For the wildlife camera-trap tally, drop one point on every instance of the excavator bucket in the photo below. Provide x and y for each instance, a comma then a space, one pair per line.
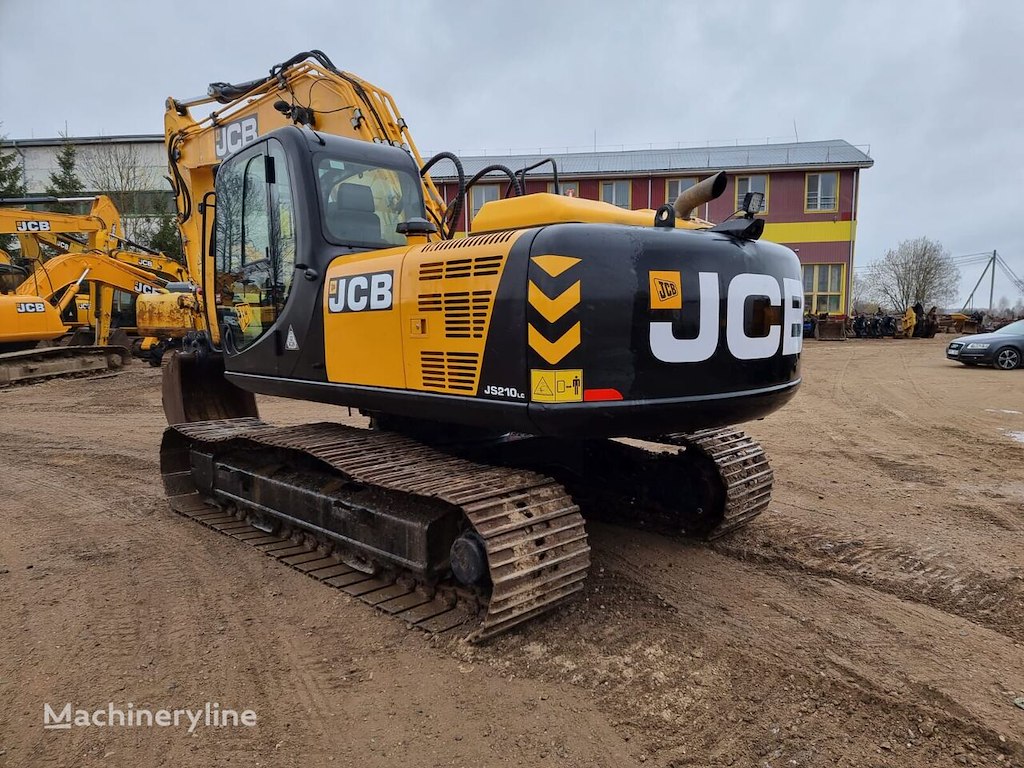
831, 329
195, 389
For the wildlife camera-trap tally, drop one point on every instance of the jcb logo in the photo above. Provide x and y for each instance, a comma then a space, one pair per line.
145, 263
357, 293
665, 291
143, 288
30, 307
32, 226
789, 297
234, 136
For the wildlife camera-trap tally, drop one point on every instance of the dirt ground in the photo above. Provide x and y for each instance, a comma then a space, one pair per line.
874, 617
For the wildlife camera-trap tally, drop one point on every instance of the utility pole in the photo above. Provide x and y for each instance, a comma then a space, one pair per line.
992, 285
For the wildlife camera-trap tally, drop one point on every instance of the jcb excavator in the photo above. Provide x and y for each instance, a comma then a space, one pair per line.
496, 369
32, 312
41, 234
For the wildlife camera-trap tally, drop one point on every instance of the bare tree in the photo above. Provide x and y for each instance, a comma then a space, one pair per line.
918, 270
862, 299
117, 170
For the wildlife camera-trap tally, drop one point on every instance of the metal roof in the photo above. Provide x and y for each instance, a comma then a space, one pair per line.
139, 138
834, 153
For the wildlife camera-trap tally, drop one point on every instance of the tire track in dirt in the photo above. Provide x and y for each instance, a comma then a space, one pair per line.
927, 575
828, 631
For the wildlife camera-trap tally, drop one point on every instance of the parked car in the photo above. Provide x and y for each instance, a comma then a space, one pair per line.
1003, 348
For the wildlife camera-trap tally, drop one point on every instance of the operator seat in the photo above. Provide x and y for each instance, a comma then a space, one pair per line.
351, 217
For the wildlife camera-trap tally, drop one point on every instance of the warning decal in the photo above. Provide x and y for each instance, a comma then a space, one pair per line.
564, 386
291, 342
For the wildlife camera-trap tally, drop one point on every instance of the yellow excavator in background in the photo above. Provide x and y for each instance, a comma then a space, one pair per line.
32, 312
97, 305
496, 369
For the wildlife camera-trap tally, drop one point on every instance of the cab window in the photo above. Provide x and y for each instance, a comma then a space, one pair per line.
363, 204
254, 251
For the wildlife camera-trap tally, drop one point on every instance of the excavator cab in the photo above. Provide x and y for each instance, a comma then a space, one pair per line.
344, 197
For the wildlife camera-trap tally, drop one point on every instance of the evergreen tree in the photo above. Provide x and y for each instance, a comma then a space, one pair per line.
12, 184
65, 182
167, 239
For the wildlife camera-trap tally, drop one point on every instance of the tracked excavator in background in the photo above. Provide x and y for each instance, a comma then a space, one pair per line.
32, 312
104, 298
499, 370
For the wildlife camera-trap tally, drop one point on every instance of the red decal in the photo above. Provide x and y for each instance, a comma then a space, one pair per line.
591, 395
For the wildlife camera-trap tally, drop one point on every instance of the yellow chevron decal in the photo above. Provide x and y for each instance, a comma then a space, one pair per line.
554, 351
555, 265
553, 309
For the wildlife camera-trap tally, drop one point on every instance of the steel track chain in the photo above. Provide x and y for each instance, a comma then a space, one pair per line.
533, 532
743, 468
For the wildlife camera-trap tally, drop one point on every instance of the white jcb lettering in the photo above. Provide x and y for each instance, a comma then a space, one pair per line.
30, 307
741, 288
336, 295
358, 293
792, 316
32, 226
380, 290
234, 136
669, 349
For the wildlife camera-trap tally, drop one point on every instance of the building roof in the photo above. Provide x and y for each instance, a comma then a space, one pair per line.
138, 138
834, 153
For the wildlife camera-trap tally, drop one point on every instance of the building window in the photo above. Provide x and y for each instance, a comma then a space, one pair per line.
823, 287
746, 184
822, 192
483, 193
616, 192
674, 186
567, 188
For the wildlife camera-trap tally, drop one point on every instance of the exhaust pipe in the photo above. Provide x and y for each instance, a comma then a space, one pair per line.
700, 193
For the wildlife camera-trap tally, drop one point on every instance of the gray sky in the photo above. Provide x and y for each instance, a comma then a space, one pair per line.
933, 87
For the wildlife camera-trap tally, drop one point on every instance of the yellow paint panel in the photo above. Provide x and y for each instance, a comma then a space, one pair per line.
809, 232
565, 386
448, 296
364, 345
666, 290
553, 309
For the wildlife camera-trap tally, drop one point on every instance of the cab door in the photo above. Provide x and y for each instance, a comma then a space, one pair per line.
254, 259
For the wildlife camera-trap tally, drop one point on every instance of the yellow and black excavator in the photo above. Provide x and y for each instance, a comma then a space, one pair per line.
498, 369
33, 308
97, 306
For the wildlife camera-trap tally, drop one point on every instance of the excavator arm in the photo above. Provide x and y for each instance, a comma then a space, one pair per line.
307, 90
56, 282
102, 225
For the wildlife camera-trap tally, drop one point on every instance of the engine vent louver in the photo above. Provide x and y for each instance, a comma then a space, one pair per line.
465, 312
481, 266
471, 241
449, 371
